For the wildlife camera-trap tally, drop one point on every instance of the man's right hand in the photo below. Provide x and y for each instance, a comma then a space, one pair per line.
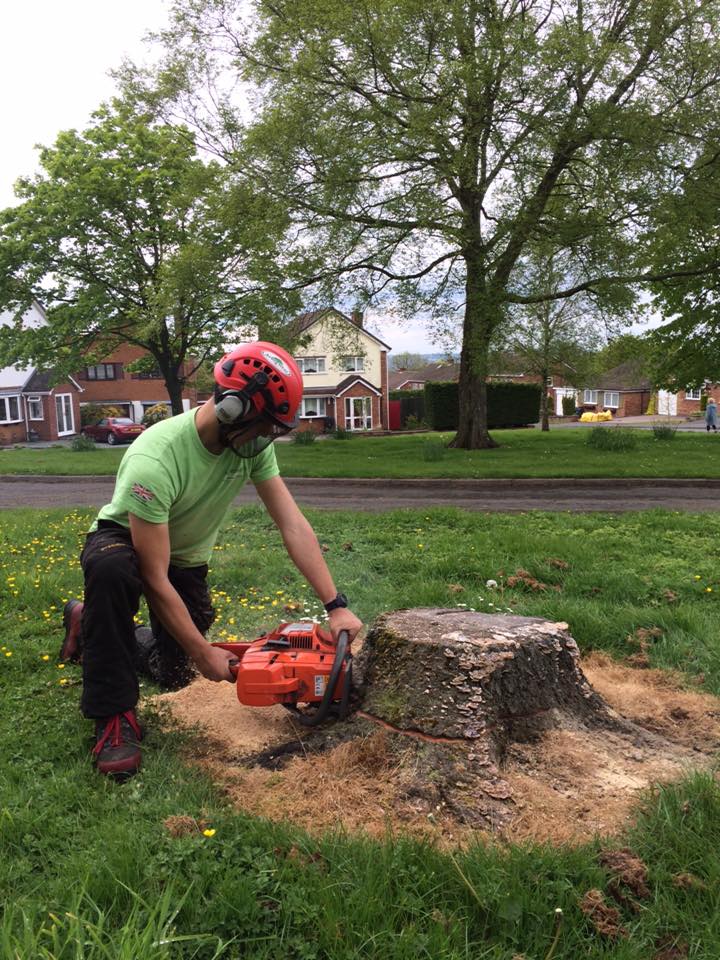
214, 663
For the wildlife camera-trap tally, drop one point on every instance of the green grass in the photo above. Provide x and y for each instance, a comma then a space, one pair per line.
522, 453
88, 871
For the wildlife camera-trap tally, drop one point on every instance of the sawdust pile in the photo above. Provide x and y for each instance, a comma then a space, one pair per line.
569, 787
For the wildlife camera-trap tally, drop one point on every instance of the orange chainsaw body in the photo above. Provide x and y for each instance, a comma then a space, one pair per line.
292, 664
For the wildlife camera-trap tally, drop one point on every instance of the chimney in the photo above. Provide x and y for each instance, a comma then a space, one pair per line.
357, 318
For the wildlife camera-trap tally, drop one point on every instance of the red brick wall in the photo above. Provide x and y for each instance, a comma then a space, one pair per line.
358, 390
46, 429
125, 388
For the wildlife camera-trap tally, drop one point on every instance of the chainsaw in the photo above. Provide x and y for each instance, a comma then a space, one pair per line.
297, 663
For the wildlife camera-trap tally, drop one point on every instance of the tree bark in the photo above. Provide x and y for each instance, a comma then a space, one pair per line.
472, 432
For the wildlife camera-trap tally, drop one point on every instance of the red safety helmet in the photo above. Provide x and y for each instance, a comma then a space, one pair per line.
258, 379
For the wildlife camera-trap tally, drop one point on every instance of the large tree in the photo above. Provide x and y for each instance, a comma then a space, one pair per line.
426, 143
686, 347
127, 236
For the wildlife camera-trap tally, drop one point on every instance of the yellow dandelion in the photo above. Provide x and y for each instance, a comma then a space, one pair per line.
61, 666
708, 589
45, 656
8, 653
210, 832
697, 576
63, 681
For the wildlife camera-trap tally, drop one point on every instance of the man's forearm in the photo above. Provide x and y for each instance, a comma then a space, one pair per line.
168, 606
304, 551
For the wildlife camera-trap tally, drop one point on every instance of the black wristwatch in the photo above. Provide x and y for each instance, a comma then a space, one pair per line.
339, 600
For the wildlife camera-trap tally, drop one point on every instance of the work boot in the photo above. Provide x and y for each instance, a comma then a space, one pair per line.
165, 664
117, 745
71, 648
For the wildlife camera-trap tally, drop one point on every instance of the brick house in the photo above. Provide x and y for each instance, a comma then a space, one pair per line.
110, 384
621, 390
30, 408
686, 402
345, 372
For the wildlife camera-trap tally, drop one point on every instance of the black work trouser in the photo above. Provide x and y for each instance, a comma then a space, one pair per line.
112, 597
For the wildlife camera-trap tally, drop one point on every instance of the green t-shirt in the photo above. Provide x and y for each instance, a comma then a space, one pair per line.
168, 476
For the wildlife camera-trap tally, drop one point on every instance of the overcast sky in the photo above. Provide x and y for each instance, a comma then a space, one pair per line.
54, 61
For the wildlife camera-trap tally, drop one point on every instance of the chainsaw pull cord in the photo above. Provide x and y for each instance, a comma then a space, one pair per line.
317, 716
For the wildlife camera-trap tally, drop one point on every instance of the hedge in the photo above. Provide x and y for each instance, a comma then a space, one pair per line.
509, 405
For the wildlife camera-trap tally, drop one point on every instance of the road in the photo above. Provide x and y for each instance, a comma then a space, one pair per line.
376, 496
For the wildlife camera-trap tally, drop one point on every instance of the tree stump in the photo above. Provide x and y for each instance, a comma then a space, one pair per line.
463, 686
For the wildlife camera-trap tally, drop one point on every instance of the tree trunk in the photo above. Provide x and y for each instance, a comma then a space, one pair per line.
544, 419
472, 433
174, 386
462, 688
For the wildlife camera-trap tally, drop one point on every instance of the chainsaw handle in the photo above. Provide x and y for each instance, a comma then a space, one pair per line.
233, 667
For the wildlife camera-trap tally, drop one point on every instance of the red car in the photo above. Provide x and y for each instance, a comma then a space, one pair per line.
114, 430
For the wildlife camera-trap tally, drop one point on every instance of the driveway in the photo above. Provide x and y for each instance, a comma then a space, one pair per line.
376, 496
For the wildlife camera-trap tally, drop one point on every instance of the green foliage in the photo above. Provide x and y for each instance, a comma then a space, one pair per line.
405, 394
81, 444
304, 437
509, 404
397, 140
703, 402
664, 431
615, 439
569, 405
340, 433
127, 234
156, 413
90, 413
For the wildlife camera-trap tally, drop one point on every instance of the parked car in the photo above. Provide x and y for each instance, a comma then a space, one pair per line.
113, 430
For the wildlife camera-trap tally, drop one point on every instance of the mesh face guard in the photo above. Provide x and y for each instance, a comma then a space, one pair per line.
251, 448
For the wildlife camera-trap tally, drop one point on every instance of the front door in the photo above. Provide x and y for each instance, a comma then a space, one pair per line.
667, 403
64, 411
358, 413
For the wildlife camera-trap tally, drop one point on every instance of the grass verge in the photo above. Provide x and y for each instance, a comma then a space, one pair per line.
89, 871
522, 453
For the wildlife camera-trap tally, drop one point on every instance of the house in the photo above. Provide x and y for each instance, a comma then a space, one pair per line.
621, 390
440, 371
110, 384
345, 372
685, 402
30, 408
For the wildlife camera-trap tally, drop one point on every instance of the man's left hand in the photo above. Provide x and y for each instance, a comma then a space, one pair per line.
344, 619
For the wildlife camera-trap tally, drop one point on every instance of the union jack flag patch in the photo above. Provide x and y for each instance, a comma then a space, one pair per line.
142, 493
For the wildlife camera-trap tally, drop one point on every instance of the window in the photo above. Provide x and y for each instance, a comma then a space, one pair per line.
102, 371
692, 394
10, 409
353, 364
63, 409
358, 413
154, 374
311, 364
590, 396
35, 410
611, 398
313, 407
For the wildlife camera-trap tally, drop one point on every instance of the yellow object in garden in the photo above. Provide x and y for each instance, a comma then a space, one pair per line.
589, 417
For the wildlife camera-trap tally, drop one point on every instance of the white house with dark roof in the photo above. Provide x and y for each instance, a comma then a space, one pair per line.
30, 407
345, 372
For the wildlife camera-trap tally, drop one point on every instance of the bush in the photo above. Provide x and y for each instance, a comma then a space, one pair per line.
611, 438
82, 444
304, 437
664, 431
156, 413
703, 403
509, 404
413, 423
433, 450
90, 413
340, 433
569, 406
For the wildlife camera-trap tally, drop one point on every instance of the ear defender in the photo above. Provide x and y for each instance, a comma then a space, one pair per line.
231, 407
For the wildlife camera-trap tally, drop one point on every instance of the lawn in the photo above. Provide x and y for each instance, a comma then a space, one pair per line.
522, 453
89, 871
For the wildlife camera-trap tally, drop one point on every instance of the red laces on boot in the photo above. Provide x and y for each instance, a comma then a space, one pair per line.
113, 731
